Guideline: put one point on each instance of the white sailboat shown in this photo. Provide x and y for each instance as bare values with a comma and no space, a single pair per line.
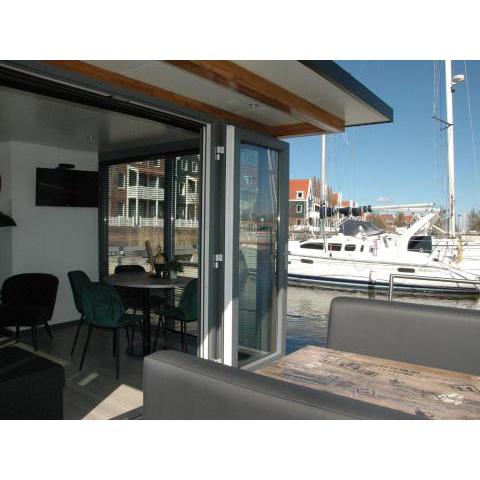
362,256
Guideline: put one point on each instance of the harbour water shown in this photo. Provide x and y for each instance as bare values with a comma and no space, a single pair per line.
308,306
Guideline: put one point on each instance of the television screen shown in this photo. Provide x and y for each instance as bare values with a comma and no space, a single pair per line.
57,187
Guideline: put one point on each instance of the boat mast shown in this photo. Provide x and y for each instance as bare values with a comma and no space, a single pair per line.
451,153
323,174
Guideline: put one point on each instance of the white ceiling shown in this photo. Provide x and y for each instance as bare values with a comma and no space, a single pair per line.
33,118
289,74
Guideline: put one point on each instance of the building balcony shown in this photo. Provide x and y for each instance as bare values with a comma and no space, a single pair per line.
148,222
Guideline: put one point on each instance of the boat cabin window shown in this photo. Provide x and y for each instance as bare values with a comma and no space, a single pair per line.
350,247
420,244
313,246
335,247
361,248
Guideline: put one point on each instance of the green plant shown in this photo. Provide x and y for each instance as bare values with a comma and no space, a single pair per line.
175,266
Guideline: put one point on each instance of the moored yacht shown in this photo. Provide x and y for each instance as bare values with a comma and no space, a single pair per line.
362,256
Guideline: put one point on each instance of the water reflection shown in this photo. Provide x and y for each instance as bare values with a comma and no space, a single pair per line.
308,308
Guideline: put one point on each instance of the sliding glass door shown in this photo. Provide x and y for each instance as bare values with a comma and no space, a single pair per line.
256,205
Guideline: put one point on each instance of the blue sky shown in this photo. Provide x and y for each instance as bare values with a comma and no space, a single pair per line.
404,161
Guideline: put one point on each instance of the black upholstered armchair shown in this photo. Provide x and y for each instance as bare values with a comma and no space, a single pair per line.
28,300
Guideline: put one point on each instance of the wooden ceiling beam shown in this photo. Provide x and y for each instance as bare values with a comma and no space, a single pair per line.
295,130
241,80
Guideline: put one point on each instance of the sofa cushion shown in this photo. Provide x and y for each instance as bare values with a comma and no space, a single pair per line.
441,337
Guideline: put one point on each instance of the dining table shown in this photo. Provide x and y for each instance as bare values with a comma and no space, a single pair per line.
147,282
424,392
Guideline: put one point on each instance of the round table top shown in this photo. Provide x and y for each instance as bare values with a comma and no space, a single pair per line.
144,280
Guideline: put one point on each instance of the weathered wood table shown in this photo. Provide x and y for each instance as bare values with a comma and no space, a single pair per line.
429,393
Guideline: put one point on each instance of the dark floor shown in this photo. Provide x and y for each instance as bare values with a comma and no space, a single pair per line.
95,392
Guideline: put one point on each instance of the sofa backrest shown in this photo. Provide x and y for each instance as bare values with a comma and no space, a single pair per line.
178,386
440,337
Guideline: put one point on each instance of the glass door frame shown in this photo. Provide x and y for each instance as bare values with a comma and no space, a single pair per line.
234,138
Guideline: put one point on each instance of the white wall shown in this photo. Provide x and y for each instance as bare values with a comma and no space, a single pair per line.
51,239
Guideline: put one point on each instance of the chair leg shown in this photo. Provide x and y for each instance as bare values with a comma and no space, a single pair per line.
117,353
17,334
184,336
87,341
156,335
49,330
79,327
34,338
164,321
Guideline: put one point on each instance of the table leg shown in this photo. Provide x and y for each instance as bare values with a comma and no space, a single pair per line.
146,321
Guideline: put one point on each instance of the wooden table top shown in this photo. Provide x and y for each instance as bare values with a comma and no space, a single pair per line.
144,280
429,393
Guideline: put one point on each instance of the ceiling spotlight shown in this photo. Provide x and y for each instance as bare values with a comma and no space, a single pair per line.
458,78
90,137
253,105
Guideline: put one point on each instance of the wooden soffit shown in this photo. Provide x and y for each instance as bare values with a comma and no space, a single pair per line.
311,118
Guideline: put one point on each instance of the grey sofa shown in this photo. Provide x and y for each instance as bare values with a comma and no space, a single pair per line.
180,386
434,336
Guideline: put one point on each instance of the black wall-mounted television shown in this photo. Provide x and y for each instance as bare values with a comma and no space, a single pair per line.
58,187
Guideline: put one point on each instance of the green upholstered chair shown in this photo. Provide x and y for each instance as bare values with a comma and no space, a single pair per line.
186,312
102,307
78,281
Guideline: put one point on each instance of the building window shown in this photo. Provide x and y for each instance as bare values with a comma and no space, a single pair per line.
151,208
142,208
185,165
192,186
160,210
152,180
132,178
299,222
180,213
181,189
143,180
131,207
299,208
195,167
299,194
121,180
120,209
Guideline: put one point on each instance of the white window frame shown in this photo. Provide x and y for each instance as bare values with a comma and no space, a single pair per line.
299,208
300,194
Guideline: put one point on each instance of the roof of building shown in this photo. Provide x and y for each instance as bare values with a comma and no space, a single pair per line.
334,198
280,98
295,186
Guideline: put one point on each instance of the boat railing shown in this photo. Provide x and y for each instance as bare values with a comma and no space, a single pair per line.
393,276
